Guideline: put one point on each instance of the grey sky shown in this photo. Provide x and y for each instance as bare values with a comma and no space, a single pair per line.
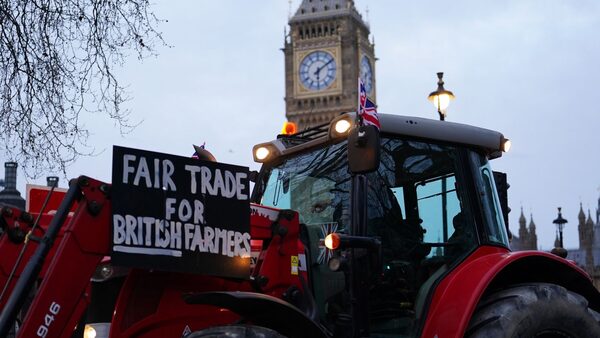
526,68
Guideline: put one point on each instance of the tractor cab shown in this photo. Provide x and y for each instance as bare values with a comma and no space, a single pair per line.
430,202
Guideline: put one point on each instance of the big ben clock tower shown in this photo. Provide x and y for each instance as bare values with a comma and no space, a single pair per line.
327,49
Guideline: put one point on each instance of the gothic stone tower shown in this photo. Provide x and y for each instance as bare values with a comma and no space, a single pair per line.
586,238
327,49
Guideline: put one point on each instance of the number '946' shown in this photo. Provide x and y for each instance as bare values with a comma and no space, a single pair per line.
54,309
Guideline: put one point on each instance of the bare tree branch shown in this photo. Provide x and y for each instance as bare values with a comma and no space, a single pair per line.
57,60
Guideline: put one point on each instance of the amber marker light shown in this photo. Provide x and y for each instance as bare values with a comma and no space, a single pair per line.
332,241
289,128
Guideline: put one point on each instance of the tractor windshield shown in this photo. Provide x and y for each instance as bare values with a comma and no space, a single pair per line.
423,202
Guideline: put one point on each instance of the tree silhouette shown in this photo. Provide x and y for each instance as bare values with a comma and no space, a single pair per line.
57,60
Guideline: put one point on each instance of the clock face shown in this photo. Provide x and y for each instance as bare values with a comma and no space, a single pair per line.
366,73
317,70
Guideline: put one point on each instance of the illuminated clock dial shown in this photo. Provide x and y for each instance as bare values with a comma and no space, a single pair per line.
366,73
317,70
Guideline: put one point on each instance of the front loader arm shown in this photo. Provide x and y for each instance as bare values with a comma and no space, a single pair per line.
61,295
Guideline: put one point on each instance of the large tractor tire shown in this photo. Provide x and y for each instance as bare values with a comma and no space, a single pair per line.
534,310
236,331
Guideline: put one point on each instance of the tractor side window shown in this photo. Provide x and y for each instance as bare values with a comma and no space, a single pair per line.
495,228
277,190
438,207
399,194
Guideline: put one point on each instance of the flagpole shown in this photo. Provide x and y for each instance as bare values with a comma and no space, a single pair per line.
358,116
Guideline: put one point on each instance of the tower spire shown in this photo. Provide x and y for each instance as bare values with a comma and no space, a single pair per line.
523,233
532,235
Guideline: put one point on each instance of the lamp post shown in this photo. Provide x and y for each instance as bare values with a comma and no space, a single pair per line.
441,97
560,225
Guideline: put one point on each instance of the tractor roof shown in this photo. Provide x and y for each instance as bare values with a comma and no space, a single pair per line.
445,131
489,141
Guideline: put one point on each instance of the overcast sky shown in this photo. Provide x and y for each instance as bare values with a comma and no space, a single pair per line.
529,69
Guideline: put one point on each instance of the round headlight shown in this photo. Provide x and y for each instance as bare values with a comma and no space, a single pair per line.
506,145
89,332
342,126
261,153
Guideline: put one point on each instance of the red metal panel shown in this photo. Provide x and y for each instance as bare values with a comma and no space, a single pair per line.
150,304
9,251
84,244
457,295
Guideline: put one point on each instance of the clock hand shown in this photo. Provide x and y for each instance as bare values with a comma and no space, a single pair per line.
323,66
318,82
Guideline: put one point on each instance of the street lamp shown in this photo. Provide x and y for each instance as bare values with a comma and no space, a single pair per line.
560,225
441,97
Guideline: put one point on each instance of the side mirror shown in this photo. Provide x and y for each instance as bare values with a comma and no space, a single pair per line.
363,149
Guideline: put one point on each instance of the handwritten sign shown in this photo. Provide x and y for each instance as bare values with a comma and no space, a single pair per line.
180,214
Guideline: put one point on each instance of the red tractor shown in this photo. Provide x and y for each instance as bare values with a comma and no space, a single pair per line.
351,232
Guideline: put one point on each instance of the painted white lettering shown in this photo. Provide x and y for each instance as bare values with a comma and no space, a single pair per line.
118,229
175,235
218,182
168,170
140,229
127,169
169,207
156,173
240,187
230,188
185,210
193,169
209,237
247,248
198,212
230,243
188,235
148,222
162,233
130,237
221,238
143,172
236,245
205,177
197,242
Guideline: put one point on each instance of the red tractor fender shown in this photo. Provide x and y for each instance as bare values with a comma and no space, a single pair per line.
456,296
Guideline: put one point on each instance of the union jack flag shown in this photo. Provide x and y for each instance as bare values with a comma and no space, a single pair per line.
366,108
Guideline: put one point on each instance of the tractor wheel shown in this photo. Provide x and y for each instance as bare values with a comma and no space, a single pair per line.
235,331
534,310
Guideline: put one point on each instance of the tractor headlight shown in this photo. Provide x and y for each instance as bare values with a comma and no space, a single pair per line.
106,271
265,152
340,126
96,330
262,153
506,145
